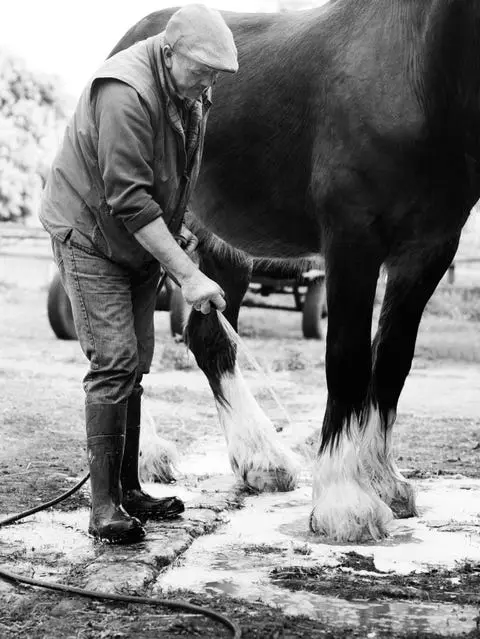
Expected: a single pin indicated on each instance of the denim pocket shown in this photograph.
(79, 308)
(57, 253)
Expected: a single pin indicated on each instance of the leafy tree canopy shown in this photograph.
(33, 115)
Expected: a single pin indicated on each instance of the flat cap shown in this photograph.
(200, 33)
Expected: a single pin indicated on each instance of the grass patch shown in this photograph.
(176, 356)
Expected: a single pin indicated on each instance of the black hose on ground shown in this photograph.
(173, 604)
(53, 502)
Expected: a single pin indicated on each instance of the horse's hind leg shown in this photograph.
(256, 453)
(411, 282)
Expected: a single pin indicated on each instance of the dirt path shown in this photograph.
(42, 453)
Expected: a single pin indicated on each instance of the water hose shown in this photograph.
(167, 603)
(47, 504)
(173, 604)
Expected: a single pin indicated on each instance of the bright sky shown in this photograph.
(71, 39)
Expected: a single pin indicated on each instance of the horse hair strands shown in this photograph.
(242, 347)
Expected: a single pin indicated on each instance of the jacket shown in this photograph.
(124, 159)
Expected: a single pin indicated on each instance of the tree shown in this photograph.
(33, 115)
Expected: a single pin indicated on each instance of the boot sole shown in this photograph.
(157, 516)
(131, 537)
(175, 508)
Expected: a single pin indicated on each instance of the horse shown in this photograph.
(350, 131)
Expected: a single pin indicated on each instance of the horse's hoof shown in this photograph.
(399, 494)
(160, 471)
(403, 502)
(157, 461)
(165, 477)
(355, 517)
(270, 481)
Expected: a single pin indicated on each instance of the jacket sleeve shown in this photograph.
(125, 153)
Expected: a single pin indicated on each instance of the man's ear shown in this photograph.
(168, 53)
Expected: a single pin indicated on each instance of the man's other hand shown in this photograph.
(203, 293)
(187, 240)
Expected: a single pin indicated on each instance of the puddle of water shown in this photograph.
(50, 542)
(231, 561)
(188, 495)
(211, 459)
(337, 613)
(47, 543)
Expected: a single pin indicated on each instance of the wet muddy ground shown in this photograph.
(250, 557)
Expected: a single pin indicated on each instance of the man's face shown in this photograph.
(190, 78)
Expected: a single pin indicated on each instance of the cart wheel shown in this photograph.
(59, 310)
(297, 297)
(324, 308)
(313, 309)
(179, 312)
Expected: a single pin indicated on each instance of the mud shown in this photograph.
(259, 564)
(463, 583)
(266, 553)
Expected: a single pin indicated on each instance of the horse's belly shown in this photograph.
(262, 232)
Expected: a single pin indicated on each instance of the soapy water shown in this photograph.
(271, 531)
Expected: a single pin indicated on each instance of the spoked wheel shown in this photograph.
(314, 309)
(297, 297)
(59, 310)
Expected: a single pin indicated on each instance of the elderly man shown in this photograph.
(115, 197)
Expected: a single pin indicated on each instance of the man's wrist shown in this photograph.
(157, 239)
(185, 272)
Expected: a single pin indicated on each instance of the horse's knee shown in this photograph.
(213, 349)
(232, 271)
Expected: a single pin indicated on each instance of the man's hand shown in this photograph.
(203, 293)
(187, 240)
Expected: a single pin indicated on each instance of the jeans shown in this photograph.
(113, 309)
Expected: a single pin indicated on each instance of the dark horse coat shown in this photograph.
(351, 130)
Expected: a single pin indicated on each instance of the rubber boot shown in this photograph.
(135, 501)
(105, 443)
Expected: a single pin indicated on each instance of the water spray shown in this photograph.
(167, 603)
(242, 347)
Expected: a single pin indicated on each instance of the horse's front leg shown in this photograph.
(346, 507)
(257, 455)
(412, 279)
